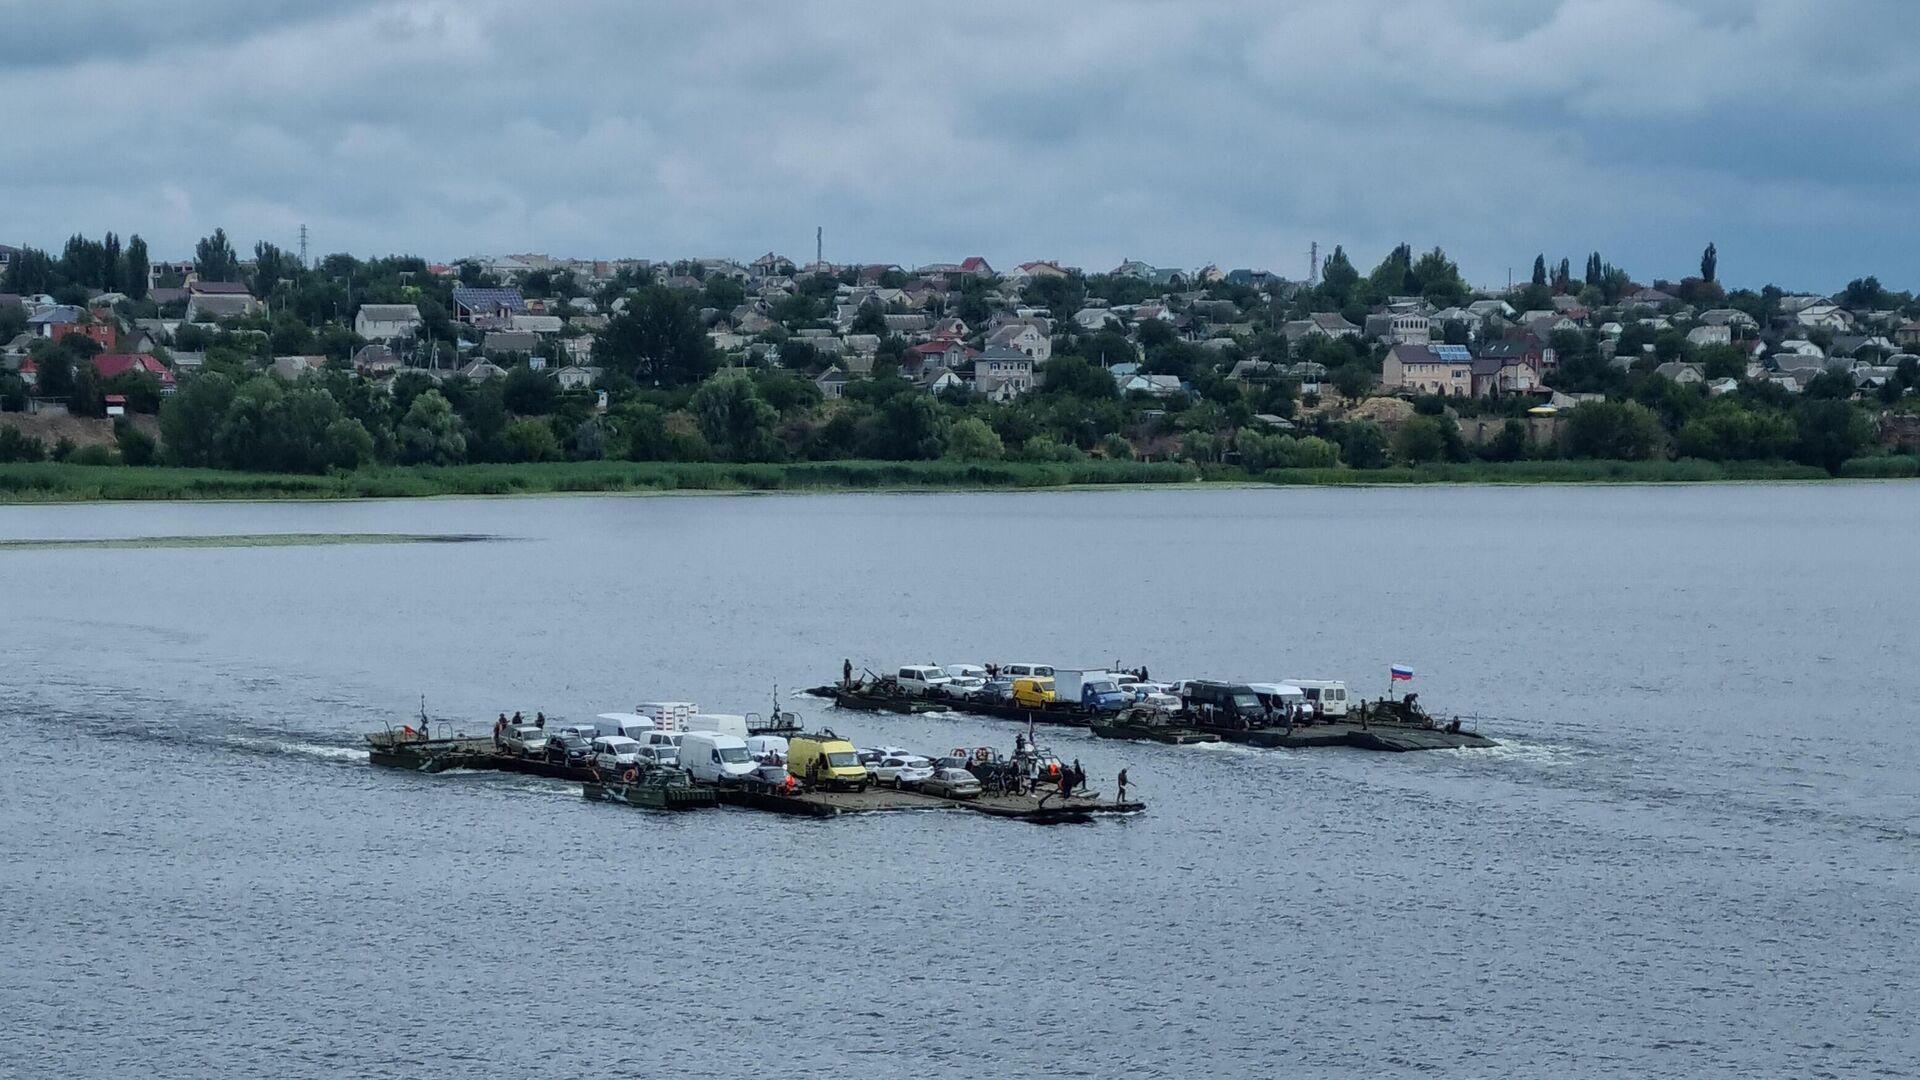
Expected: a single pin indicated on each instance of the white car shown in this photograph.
(525, 740)
(615, 753)
(666, 755)
(921, 678)
(902, 771)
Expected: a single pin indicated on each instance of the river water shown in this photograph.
(1693, 855)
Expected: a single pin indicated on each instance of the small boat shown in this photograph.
(1149, 724)
(654, 789)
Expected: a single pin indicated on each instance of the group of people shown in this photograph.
(501, 725)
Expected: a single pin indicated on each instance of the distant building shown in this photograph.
(386, 322)
(1446, 370)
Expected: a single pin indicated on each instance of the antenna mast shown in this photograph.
(303, 247)
(819, 247)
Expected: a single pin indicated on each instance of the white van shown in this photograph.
(615, 753)
(724, 723)
(921, 678)
(657, 737)
(715, 757)
(767, 746)
(1026, 671)
(1331, 696)
(632, 725)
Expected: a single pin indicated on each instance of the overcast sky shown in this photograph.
(1183, 133)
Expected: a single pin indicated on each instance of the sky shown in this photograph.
(1230, 132)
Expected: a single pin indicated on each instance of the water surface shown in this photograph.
(1694, 855)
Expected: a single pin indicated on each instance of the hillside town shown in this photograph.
(272, 363)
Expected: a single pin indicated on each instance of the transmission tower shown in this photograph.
(303, 247)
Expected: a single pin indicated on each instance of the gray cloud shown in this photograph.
(1214, 130)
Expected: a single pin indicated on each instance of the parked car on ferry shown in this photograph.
(588, 732)
(665, 755)
(568, 750)
(902, 770)
(1026, 671)
(826, 761)
(921, 678)
(615, 753)
(952, 784)
(963, 680)
(1000, 689)
(715, 756)
(525, 740)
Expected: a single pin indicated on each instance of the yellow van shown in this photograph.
(826, 761)
(1033, 693)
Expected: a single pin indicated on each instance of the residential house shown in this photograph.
(538, 324)
(907, 325)
(1026, 338)
(1706, 334)
(385, 322)
(940, 377)
(1332, 324)
(1153, 386)
(1649, 297)
(868, 344)
(374, 360)
(1681, 372)
(832, 383)
(217, 288)
(1428, 369)
(102, 332)
(8, 253)
(487, 307)
(574, 377)
(1732, 318)
(295, 368)
(1411, 328)
(1482, 309)
(1825, 316)
(110, 365)
(1499, 375)
(1095, 319)
(949, 353)
(483, 369)
(504, 342)
(1003, 372)
(1027, 271)
(1908, 334)
(976, 266)
(41, 323)
(212, 307)
(1528, 349)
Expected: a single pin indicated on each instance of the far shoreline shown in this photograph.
(62, 483)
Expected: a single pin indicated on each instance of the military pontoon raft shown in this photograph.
(408, 749)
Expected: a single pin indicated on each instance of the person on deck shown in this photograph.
(846, 674)
(517, 718)
(540, 720)
(499, 729)
(1123, 786)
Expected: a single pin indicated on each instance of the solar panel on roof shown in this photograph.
(1453, 353)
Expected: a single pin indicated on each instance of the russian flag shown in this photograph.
(1401, 671)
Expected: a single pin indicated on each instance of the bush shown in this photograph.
(93, 454)
(16, 445)
(136, 446)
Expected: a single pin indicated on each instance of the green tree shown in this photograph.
(136, 446)
(1423, 439)
(530, 439)
(270, 266)
(1709, 263)
(1540, 270)
(214, 260)
(971, 439)
(189, 418)
(1831, 431)
(1437, 278)
(1075, 376)
(1612, 430)
(911, 427)
(658, 340)
(1338, 281)
(1352, 381)
(1511, 443)
(530, 393)
(736, 422)
(136, 269)
(347, 444)
(431, 434)
(1722, 361)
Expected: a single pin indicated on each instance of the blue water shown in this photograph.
(1693, 855)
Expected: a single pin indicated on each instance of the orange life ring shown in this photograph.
(1053, 769)
(630, 775)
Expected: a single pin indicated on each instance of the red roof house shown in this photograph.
(107, 365)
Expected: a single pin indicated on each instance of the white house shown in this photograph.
(385, 322)
(1710, 335)
(1411, 328)
(1825, 317)
(573, 377)
(1024, 337)
(1003, 372)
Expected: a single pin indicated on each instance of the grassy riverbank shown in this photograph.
(48, 482)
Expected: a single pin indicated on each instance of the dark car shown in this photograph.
(569, 750)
